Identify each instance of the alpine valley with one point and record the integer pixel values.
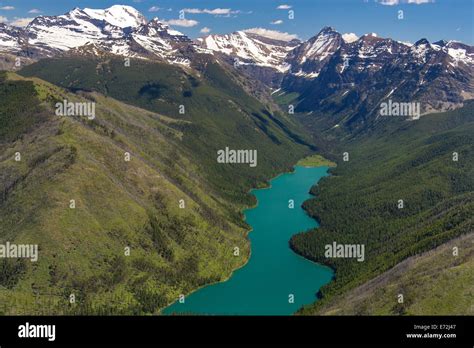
(131, 208)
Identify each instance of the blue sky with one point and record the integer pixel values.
(431, 19)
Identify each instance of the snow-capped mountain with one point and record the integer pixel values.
(459, 52)
(119, 29)
(257, 52)
(354, 79)
(73, 29)
(308, 59)
(253, 47)
(356, 71)
(119, 16)
(11, 38)
(330, 65)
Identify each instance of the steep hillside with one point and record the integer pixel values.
(432, 283)
(117, 204)
(222, 113)
(410, 161)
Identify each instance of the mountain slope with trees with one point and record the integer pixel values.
(403, 160)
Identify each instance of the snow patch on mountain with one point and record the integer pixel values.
(64, 32)
(266, 48)
(461, 55)
(10, 38)
(118, 15)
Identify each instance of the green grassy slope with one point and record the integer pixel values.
(315, 161)
(119, 204)
(358, 204)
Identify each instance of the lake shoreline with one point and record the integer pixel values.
(267, 185)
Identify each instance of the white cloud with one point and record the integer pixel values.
(154, 9)
(7, 8)
(276, 22)
(216, 11)
(397, 2)
(349, 37)
(284, 7)
(17, 21)
(205, 30)
(21, 22)
(182, 22)
(272, 34)
(34, 10)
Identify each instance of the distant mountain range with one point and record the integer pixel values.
(330, 72)
(350, 76)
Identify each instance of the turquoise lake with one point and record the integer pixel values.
(274, 272)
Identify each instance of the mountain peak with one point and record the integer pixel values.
(441, 43)
(76, 11)
(156, 28)
(327, 29)
(326, 34)
(422, 42)
(156, 23)
(122, 16)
